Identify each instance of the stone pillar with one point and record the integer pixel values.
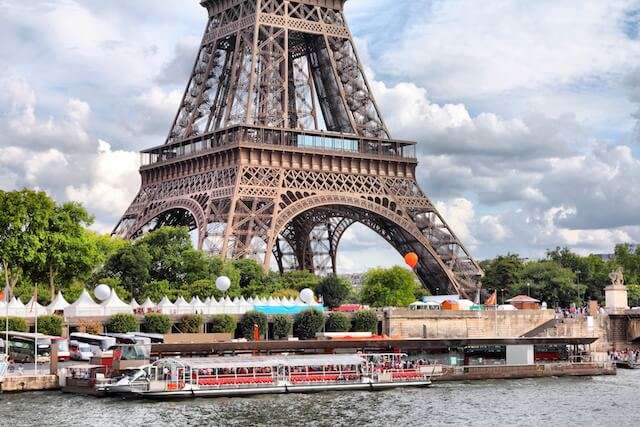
(616, 298)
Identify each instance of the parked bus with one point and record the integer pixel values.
(63, 348)
(129, 338)
(22, 347)
(155, 338)
(98, 343)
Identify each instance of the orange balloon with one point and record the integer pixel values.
(411, 259)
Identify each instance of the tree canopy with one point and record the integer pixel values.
(395, 286)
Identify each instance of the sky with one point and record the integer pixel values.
(525, 113)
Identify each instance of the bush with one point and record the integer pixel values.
(191, 324)
(223, 324)
(334, 290)
(286, 293)
(282, 326)
(90, 327)
(122, 323)
(365, 321)
(16, 324)
(307, 323)
(157, 323)
(252, 318)
(337, 322)
(50, 325)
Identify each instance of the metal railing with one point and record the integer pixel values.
(314, 140)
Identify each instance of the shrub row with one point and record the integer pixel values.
(304, 325)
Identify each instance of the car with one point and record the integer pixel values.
(80, 351)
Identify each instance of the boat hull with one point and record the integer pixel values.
(280, 389)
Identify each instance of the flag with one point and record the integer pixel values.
(492, 299)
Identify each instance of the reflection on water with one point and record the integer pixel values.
(561, 401)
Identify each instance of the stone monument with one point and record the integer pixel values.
(616, 292)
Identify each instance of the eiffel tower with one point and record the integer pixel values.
(278, 147)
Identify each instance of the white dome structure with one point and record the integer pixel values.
(85, 306)
(114, 305)
(58, 304)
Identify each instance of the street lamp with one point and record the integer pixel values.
(502, 295)
(528, 289)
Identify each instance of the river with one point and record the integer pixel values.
(603, 401)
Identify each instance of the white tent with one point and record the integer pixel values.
(197, 305)
(183, 307)
(85, 306)
(34, 309)
(166, 307)
(134, 304)
(464, 304)
(148, 305)
(58, 304)
(506, 307)
(17, 308)
(114, 305)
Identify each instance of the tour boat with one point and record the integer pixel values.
(253, 375)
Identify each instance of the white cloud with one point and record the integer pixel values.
(468, 51)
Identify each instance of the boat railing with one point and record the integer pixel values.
(323, 376)
(254, 379)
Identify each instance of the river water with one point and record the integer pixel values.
(603, 401)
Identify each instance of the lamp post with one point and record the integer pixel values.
(502, 295)
(528, 289)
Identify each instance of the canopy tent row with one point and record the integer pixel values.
(86, 306)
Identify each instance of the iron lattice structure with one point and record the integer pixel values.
(279, 146)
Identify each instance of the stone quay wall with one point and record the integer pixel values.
(407, 323)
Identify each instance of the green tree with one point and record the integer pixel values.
(549, 282)
(633, 292)
(501, 272)
(334, 290)
(365, 321)
(282, 326)
(158, 290)
(67, 247)
(337, 322)
(392, 287)
(157, 323)
(122, 323)
(249, 319)
(191, 324)
(286, 293)
(223, 324)
(130, 265)
(72, 291)
(50, 325)
(24, 216)
(298, 280)
(307, 324)
(251, 276)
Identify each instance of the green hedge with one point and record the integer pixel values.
(337, 322)
(122, 323)
(50, 325)
(365, 321)
(191, 324)
(307, 324)
(157, 323)
(16, 324)
(252, 318)
(282, 326)
(223, 324)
